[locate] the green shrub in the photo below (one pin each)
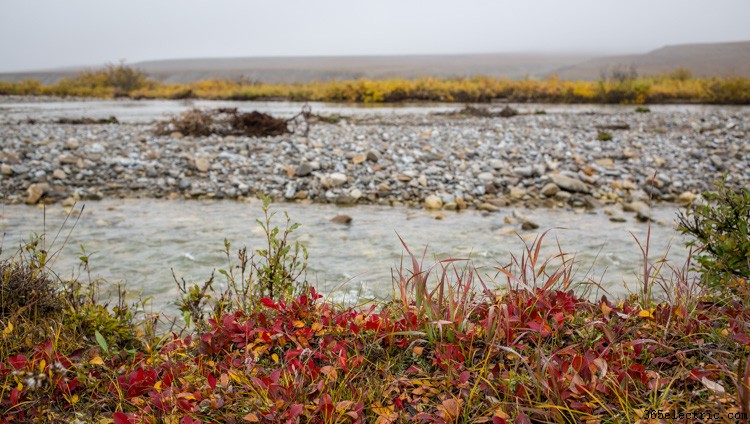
(719, 226)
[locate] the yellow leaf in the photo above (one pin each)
(418, 350)
(299, 324)
(157, 386)
(606, 309)
(74, 399)
(383, 410)
(235, 377)
(275, 358)
(645, 314)
(96, 360)
(251, 418)
(317, 326)
(42, 364)
(8, 329)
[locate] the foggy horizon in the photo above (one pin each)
(48, 35)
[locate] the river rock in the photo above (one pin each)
(336, 179)
(486, 176)
(303, 170)
(342, 219)
(687, 197)
(372, 156)
(517, 192)
(635, 206)
(59, 174)
(202, 164)
(6, 169)
(488, 207)
(497, 164)
(550, 189)
(35, 193)
(570, 184)
(433, 202)
(529, 225)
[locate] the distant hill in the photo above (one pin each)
(716, 59)
(302, 69)
(704, 60)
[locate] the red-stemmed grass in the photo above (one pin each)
(512, 344)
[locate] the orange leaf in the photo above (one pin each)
(452, 408)
(251, 418)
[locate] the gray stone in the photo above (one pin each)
(524, 171)
(550, 189)
(571, 184)
(19, 169)
(304, 169)
(497, 164)
(486, 176)
(337, 179)
(342, 219)
(184, 184)
(202, 164)
(372, 156)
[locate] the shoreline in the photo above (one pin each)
(619, 161)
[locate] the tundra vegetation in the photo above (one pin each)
(525, 341)
(614, 87)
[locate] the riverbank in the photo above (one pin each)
(441, 161)
(260, 345)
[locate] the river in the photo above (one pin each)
(139, 241)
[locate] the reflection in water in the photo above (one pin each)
(138, 241)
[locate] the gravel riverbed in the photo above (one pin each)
(438, 161)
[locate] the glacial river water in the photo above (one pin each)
(139, 241)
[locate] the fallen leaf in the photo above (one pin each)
(96, 360)
(712, 385)
(452, 408)
(251, 418)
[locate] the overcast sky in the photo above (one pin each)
(43, 34)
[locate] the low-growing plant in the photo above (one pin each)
(604, 136)
(720, 228)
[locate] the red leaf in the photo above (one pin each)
(742, 338)
(123, 418)
(211, 381)
(269, 303)
(17, 362)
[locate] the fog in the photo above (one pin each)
(46, 34)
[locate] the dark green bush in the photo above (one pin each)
(720, 227)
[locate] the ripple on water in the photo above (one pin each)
(139, 241)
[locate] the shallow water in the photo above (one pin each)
(138, 241)
(144, 111)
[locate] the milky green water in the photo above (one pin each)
(139, 241)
